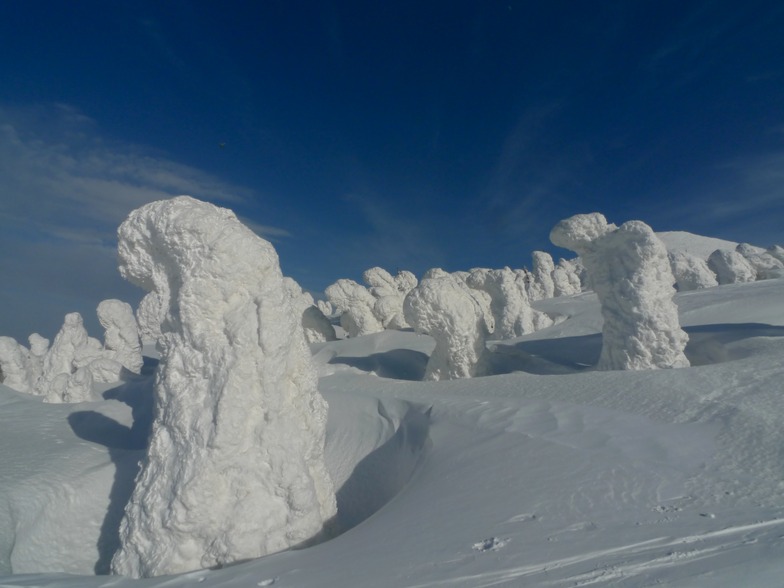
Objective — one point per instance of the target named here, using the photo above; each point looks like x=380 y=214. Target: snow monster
x=235 y=464
x=629 y=270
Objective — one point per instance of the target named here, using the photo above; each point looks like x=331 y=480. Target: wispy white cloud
x=533 y=172
x=394 y=239
x=755 y=187
x=64 y=189
x=57 y=172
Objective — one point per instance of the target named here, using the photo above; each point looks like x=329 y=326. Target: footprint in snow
x=491 y=544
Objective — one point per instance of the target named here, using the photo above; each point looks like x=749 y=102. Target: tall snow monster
x=629 y=270
x=235 y=463
x=444 y=308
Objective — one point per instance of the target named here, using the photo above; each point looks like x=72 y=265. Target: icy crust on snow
x=630 y=272
x=235 y=464
x=444 y=308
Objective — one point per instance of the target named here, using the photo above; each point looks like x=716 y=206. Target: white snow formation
x=566 y=281
x=65 y=376
x=765 y=265
x=509 y=305
x=235 y=464
x=38 y=347
x=691 y=272
x=541 y=285
x=315 y=325
x=14 y=365
x=389 y=293
x=121 y=340
x=355 y=303
x=325 y=307
x=731 y=267
x=630 y=273
x=149 y=316
x=776 y=251
x=444 y=308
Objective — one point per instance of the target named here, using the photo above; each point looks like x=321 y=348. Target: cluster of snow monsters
x=66 y=371
x=235 y=464
x=726 y=266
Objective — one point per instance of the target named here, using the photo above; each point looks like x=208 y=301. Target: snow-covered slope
x=546 y=473
x=697 y=245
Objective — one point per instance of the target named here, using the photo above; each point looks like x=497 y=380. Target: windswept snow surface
x=696 y=245
x=545 y=474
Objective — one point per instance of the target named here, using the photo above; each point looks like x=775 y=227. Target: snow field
x=563 y=477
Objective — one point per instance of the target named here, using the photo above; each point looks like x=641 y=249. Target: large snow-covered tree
x=629 y=270
x=235 y=464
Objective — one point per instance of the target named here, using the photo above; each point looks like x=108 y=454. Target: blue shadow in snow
x=126 y=446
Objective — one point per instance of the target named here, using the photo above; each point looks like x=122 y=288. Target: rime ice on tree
x=731 y=267
x=315 y=325
x=235 y=467
x=121 y=340
x=629 y=270
x=541 y=285
x=512 y=313
x=444 y=308
x=691 y=272
x=14 y=365
x=355 y=303
x=389 y=292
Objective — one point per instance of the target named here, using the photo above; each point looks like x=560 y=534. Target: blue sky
x=406 y=134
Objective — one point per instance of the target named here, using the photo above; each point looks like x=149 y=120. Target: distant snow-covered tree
x=121 y=339
x=355 y=304
x=765 y=265
x=731 y=267
x=389 y=292
x=14 y=365
x=566 y=280
x=509 y=305
x=541 y=285
x=691 y=272
x=777 y=251
x=443 y=308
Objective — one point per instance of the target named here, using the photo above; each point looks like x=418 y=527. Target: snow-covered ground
x=546 y=473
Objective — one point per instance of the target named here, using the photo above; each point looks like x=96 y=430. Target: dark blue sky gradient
x=413 y=134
